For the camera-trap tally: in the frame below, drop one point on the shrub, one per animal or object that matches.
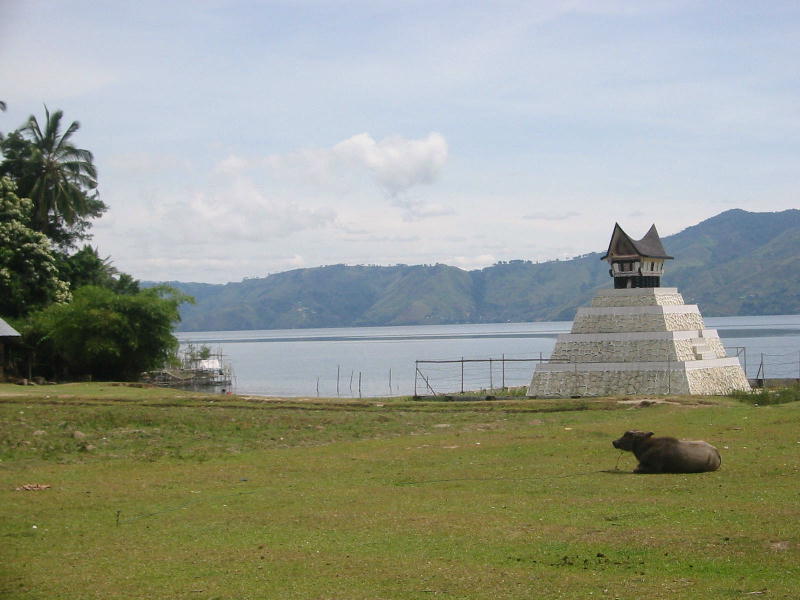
(106, 335)
(765, 396)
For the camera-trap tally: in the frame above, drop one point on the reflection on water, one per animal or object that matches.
(330, 362)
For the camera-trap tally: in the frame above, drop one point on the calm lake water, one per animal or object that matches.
(329, 362)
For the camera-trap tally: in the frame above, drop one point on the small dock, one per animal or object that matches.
(196, 368)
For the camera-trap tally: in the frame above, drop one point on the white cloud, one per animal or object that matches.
(225, 231)
(397, 164)
(242, 211)
(471, 263)
(415, 209)
(231, 165)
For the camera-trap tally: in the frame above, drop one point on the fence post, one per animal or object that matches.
(462, 374)
(390, 381)
(669, 373)
(575, 380)
(416, 373)
(425, 379)
(491, 382)
(503, 386)
(338, 368)
(744, 352)
(359, 384)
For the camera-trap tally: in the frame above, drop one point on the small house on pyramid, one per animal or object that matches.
(637, 338)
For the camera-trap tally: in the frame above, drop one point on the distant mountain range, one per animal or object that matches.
(736, 263)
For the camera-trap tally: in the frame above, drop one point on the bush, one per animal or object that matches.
(765, 396)
(105, 335)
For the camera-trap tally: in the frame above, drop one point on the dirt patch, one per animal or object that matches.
(645, 402)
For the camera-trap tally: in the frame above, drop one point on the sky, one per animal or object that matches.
(235, 139)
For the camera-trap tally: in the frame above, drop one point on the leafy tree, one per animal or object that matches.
(29, 275)
(106, 335)
(59, 177)
(85, 267)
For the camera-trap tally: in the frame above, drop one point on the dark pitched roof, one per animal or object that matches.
(622, 245)
(7, 330)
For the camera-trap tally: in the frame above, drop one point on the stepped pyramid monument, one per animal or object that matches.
(637, 338)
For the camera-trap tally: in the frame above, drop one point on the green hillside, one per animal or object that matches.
(735, 263)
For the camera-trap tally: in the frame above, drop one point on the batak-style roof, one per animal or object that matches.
(7, 330)
(623, 246)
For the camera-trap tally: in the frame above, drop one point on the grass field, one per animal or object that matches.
(164, 494)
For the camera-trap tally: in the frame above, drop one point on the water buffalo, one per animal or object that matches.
(668, 455)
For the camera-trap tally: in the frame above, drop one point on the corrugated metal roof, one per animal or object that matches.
(7, 330)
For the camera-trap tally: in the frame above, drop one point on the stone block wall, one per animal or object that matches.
(719, 380)
(715, 345)
(705, 377)
(623, 351)
(565, 384)
(638, 297)
(590, 321)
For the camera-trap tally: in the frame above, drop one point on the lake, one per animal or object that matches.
(330, 362)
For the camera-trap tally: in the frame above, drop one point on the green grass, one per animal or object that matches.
(765, 396)
(175, 495)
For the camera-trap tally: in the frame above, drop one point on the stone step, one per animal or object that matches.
(702, 351)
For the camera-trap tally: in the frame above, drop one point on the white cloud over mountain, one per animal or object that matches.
(396, 163)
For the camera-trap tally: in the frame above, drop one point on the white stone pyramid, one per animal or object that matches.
(638, 341)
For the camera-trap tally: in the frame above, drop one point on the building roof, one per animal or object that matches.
(623, 246)
(7, 330)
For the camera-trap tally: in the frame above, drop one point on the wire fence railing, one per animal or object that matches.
(473, 375)
(497, 376)
(778, 366)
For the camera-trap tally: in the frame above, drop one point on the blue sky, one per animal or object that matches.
(237, 139)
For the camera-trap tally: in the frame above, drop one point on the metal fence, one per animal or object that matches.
(488, 376)
(495, 376)
(778, 366)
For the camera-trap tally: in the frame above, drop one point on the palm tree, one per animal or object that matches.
(64, 177)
